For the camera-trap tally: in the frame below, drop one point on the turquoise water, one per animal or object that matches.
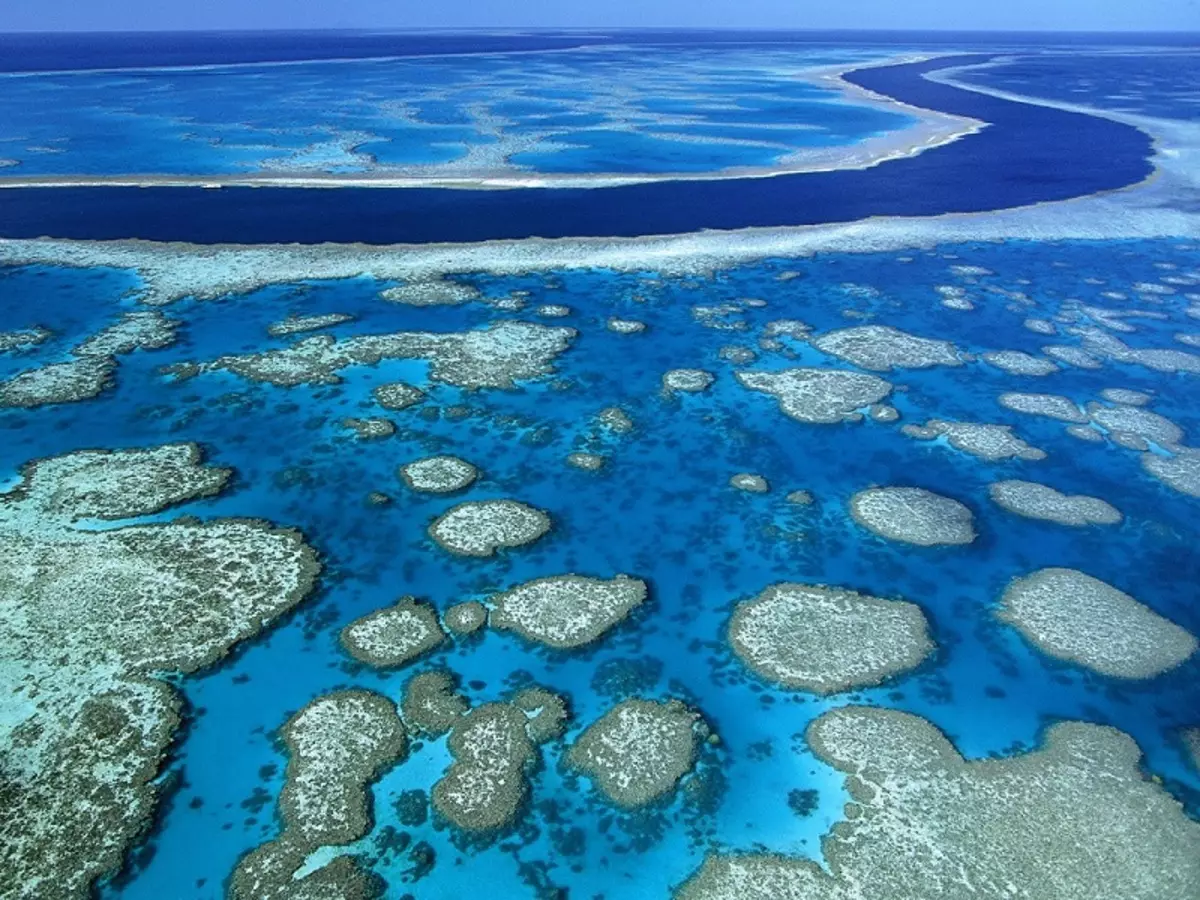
(425, 115)
(662, 510)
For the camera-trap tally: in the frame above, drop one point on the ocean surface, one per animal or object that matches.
(662, 508)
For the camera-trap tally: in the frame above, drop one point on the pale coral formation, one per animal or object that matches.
(589, 462)
(691, 381)
(638, 751)
(566, 611)
(393, 637)
(1085, 433)
(486, 786)
(739, 356)
(431, 705)
(626, 326)
(924, 822)
(819, 396)
(118, 484)
(751, 484)
(67, 382)
(93, 365)
(1136, 428)
(1191, 742)
(881, 412)
(370, 429)
(466, 617)
(615, 420)
(1072, 616)
(497, 356)
(439, 474)
(397, 396)
(881, 348)
(90, 620)
(1125, 396)
(1040, 326)
(300, 324)
(432, 292)
(337, 745)
(481, 527)
(1014, 362)
(1040, 501)
(913, 516)
(1180, 472)
(1073, 356)
(990, 442)
(546, 712)
(1108, 346)
(827, 639)
(22, 340)
(553, 311)
(1052, 406)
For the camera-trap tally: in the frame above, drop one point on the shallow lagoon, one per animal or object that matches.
(472, 114)
(662, 509)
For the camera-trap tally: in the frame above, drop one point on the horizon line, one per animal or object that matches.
(594, 29)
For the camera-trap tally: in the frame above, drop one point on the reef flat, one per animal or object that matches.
(637, 752)
(494, 746)
(1072, 616)
(482, 527)
(91, 621)
(881, 348)
(914, 516)
(497, 356)
(337, 745)
(826, 639)
(923, 821)
(566, 611)
(990, 442)
(819, 396)
(439, 474)
(91, 370)
(394, 636)
(1040, 501)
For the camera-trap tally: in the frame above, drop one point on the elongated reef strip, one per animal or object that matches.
(1052, 406)
(299, 324)
(1074, 617)
(1040, 501)
(990, 442)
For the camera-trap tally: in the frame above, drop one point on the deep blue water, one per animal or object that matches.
(662, 510)
(1166, 85)
(1030, 154)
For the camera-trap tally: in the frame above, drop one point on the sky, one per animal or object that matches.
(991, 15)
